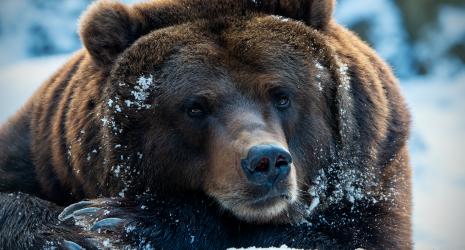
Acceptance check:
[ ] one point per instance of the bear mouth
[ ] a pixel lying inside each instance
(263, 204)
(270, 199)
(266, 209)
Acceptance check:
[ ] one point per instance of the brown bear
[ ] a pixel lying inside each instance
(193, 124)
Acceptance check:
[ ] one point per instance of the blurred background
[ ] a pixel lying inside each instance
(423, 40)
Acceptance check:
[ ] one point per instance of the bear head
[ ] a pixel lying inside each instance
(251, 102)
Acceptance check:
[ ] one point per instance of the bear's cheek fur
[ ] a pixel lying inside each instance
(228, 145)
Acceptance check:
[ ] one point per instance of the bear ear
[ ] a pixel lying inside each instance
(316, 13)
(107, 29)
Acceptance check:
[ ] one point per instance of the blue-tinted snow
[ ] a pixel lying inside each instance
(30, 28)
(386, 32)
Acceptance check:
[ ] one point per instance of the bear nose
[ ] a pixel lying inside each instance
(266, 164)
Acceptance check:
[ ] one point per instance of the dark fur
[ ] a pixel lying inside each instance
(78, 139)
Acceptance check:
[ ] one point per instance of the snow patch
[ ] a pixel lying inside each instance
(122, 192)
(130, 229)
(141, 92)
(281, 18)
(128, 102)
(345, 79)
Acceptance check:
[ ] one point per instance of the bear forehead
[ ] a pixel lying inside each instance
(226, 55)
(210, 67)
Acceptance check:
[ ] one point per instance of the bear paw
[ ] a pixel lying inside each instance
(100, 223)
(161, 221)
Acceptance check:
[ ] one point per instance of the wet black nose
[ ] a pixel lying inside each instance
(267, 164)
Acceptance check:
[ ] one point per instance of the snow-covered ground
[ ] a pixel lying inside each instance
(19, 81)
(437, 104)
(437, 101)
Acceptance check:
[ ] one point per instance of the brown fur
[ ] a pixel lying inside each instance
(87, 142)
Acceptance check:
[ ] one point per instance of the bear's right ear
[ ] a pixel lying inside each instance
(316, 13)
(107, 29)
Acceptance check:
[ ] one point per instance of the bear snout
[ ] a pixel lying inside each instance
(257, 179)
(267, 164)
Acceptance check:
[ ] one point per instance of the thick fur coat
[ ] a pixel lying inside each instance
(192, 124)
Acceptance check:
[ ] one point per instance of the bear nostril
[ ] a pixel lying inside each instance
(262, 165)
(281, 161)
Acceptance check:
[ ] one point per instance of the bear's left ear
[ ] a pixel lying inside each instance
(316, 13)
(107, 29)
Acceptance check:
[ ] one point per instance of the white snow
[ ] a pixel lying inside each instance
(281, 18)
(122, 192)
(449, 32)
(385, 31)
(141, 92)
(20, 80)
(33, 28)
(128, 102)
(437, 156)
(345, 78)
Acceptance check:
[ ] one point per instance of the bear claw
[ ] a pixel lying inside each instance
(109, 224)
(71, 245)
(68, 211)
(86, 211)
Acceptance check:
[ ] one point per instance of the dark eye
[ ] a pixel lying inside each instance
(195, 111)
(195, 106)
(282, 102)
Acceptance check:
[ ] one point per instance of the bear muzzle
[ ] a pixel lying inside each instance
(271, 184)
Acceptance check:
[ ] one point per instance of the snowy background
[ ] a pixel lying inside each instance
(423, 40)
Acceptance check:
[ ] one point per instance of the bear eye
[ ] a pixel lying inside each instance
(195, 111)
(282, 102)
(195, 106)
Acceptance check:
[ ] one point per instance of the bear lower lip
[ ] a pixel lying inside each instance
(270, 198)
